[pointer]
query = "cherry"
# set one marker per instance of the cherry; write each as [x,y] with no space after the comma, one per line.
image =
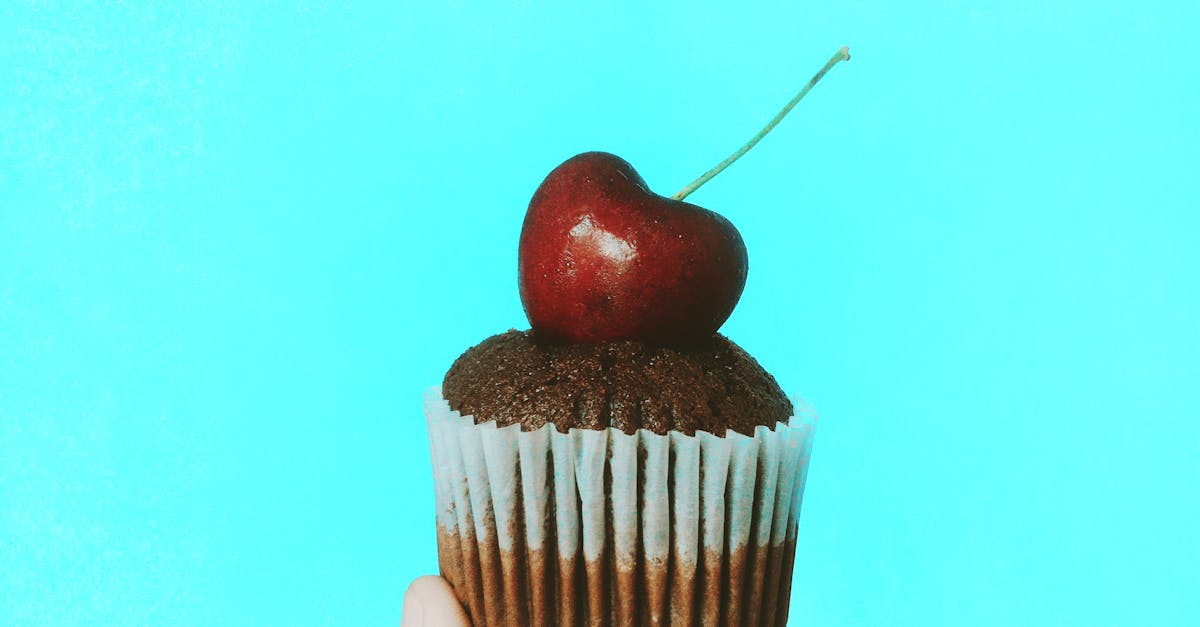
[602,258]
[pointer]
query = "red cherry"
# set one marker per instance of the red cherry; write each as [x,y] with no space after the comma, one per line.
[602,258]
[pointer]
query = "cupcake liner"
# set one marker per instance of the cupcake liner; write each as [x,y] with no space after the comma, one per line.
[599,527]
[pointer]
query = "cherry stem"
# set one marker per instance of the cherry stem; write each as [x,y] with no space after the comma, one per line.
[843,54]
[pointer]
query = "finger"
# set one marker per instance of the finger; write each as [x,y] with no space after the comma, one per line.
[429,602]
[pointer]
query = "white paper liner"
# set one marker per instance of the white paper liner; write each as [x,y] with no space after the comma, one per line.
[600,527]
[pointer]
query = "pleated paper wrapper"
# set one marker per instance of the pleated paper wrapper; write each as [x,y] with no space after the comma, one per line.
[599,527]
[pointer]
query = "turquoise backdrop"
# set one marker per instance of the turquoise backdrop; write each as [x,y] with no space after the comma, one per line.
[239,239]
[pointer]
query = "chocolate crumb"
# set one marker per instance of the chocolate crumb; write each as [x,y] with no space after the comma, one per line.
[712,386]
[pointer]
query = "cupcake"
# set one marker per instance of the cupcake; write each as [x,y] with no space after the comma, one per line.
[620,463]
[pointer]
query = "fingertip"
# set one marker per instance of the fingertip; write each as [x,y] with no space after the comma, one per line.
[430,602]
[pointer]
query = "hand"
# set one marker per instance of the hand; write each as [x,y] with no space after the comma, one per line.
[429,602]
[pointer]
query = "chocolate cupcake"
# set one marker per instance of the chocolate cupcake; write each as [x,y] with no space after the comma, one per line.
[621,463]
[617,483]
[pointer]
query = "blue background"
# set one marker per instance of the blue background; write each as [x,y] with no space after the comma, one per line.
[238,241]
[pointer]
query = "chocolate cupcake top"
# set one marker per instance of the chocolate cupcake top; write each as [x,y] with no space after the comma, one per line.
[714,386]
